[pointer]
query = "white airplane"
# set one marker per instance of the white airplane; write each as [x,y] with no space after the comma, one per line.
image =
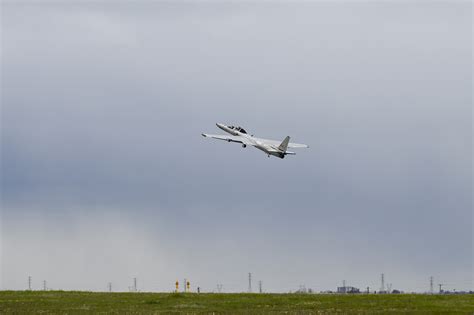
[270,147]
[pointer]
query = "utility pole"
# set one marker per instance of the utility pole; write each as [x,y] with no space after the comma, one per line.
[344,286]
[184,287]
[382,280]
[29,283]
[250,282]
[440,287]
[44,285]
[368,290]
[135,284]
[431,285]
[109,285]
[260,286]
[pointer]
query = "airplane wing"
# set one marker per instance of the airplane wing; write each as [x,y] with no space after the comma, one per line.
[227,138]
[277,143]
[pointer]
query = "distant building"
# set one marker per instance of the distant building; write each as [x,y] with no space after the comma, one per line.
[347,290]
[303,289]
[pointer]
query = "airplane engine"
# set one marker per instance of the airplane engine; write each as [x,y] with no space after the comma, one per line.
[244,145]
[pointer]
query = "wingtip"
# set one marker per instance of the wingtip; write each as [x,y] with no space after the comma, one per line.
[202,134]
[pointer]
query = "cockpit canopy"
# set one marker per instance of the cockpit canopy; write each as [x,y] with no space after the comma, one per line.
[239,129]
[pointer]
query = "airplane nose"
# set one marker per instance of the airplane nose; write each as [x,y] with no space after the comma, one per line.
[221,126]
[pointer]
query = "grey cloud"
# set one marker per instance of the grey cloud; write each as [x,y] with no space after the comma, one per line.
[103,106]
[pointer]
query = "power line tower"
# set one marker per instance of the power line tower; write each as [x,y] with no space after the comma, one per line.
[344,286]
[382,280]
[250,282]
[109,285]
[260,286]
[219,288]
[29,283]
[135,284]
[44,285]
[431,285]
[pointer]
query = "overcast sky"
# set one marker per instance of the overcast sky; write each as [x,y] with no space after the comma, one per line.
[105,175]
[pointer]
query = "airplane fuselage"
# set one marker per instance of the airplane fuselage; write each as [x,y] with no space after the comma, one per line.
[265,147]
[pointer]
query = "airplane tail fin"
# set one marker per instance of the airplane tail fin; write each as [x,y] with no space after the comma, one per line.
[284,145]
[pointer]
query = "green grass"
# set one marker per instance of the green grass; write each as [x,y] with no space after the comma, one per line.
[61,302]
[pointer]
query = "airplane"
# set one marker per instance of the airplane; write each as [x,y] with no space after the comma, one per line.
[270,147]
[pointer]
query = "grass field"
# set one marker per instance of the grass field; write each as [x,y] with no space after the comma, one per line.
[60,302]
